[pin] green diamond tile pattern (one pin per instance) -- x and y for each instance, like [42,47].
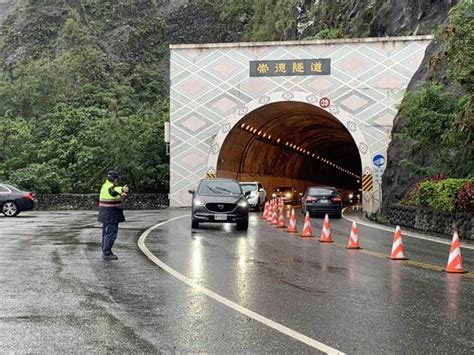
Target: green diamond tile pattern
[211,89]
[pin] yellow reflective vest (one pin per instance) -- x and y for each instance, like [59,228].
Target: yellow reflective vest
[110,195]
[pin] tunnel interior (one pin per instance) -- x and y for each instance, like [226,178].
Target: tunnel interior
[291,143]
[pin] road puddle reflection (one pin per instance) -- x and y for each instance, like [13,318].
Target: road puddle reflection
[395,279]
[352,267]
[453,295]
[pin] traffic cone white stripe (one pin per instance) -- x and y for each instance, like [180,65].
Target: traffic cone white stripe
[453,255]
[396,244]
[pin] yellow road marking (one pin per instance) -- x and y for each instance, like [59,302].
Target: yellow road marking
[409,262]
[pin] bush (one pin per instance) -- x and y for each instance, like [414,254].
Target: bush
[442,194]
[465,197]
[40,178]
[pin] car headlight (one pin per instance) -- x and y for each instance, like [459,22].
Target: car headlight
[288,194]
[274,195]
[243,204]
[198,202]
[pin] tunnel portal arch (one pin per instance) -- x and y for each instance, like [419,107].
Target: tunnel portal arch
[282,105]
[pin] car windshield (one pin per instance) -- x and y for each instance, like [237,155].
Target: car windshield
[11,188]
[320,191]
[248,187]
[284,188]
[219,187]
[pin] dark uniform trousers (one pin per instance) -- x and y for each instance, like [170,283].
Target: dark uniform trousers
[109,234]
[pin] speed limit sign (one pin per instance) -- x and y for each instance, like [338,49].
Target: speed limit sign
[324,102]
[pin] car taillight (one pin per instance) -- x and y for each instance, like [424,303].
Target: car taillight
[29,196]
[336,199]
[311,199]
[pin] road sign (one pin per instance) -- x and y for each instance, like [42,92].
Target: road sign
[379,160]
[367,182]
[378,175]
[324,102]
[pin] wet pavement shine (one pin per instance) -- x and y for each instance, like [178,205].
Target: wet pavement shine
[58,295]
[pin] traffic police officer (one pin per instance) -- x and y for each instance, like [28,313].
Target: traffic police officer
[110,212]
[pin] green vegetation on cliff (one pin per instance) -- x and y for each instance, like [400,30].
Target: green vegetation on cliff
[69,112]
[439,115]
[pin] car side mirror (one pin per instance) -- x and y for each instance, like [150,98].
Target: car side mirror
[192,191]
[260,190]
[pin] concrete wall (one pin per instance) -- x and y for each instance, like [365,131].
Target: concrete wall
[90,201]
[429,220]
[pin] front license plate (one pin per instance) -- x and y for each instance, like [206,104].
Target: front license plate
[220,217]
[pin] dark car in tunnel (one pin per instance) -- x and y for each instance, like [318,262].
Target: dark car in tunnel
[13,200]
[219,201]
[322,200]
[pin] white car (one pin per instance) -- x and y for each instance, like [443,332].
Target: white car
[255,193]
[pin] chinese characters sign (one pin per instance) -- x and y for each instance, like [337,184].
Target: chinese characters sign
[290,67]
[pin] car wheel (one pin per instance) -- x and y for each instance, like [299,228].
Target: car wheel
[243,225]
[257,207]
[194,224]
[10,209]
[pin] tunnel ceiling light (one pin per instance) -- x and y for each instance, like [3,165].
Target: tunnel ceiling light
[300,150]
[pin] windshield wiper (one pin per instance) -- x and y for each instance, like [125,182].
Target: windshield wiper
[214,191]
[223,189]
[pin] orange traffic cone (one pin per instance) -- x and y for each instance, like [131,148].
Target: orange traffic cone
[354,237]
[455,259]
[292,226]
[397,247]
[274,220]
[271,207]
[281,220]
[326,232]
[307,229]
[265,211]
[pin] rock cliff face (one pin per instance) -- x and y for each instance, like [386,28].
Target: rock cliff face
[373,18]
[6,6]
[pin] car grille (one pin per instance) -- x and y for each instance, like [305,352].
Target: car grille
[221,207]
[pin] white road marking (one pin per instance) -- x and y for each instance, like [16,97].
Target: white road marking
[409,234]
[259,318]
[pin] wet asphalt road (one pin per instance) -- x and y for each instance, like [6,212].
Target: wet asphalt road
[57,295]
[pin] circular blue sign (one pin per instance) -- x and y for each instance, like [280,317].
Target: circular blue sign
[379,160]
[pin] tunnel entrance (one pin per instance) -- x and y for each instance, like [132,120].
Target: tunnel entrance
[291,143]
